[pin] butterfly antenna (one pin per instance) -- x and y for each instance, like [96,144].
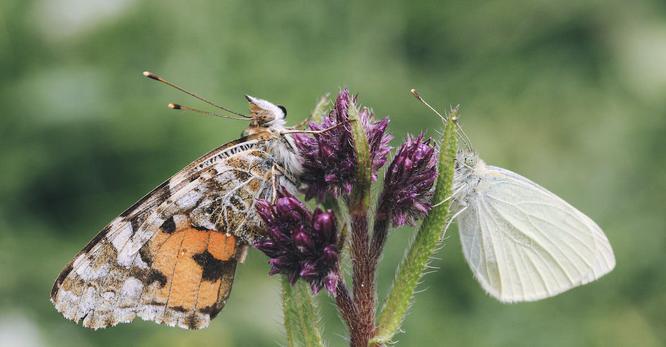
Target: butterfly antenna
[419,98]
[459,130]
[196,110]
[155,77]
[454,113]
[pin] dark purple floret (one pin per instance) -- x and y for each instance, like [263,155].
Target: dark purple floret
[329,159]
[378,139]
[409,180]
[300,243]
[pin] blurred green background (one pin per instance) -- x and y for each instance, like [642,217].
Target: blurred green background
[569,93]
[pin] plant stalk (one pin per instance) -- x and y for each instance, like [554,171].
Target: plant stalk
[301,318]
[380,230]
[424,244]
[363,270]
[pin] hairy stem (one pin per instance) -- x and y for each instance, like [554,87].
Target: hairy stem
[380,229]
[363,269]
[426,241]
[363,279]
[345,305]
[301,318]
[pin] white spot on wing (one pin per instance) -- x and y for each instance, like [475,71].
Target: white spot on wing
[122,236]
[131,289]
[189,200]
[79,260]
[87,303]
[89,273]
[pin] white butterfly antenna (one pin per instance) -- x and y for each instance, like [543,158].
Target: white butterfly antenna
[155,77]
[454,113]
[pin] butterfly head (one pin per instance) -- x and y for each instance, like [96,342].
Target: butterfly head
[265,113]
[468,167]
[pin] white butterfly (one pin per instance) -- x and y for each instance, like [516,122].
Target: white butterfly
[522,242]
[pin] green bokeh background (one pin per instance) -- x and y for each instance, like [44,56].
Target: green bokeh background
[569,93]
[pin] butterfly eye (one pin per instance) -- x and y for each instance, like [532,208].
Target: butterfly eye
[284,110]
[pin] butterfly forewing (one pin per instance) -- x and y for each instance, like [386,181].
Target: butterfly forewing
[524,243]
[171,257]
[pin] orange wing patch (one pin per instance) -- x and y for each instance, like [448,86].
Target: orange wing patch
[171,257]
[198,265]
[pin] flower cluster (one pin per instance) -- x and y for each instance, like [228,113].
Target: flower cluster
[299,243]
[329,162]
[409,180]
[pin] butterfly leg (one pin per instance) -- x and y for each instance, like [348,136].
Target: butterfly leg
[448,224]
[274,181]
[290,179]
[243,253]
[452,196]
[315,132]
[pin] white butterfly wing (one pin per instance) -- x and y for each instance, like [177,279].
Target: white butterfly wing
[524,243]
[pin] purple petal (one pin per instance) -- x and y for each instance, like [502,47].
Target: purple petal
[308,270]
[331,282]
[315,286]
[324,224]
[330,254]
[303,241]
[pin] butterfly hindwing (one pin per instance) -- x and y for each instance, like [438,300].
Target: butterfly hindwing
[171,257]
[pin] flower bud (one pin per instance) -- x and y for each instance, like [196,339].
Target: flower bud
[299,243]
[409,180]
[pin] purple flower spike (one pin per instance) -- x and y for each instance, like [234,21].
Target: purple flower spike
[409,179]
[378,139]
[300,243]
[329,160]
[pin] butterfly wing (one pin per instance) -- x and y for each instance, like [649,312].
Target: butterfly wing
[524,243]
[171,257]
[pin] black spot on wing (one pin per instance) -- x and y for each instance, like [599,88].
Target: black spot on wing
[156,276]
[213,269]
[148,276]
[200,228]
[136,224]
[178,308]
[192,321]
[169,225]
[144,253]
[213,310]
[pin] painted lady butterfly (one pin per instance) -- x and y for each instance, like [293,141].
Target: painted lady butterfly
[171,257]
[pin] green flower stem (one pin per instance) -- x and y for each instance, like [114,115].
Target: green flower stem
[360,195]
[320,109]
[426,242]
[301,318]
[363,269]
